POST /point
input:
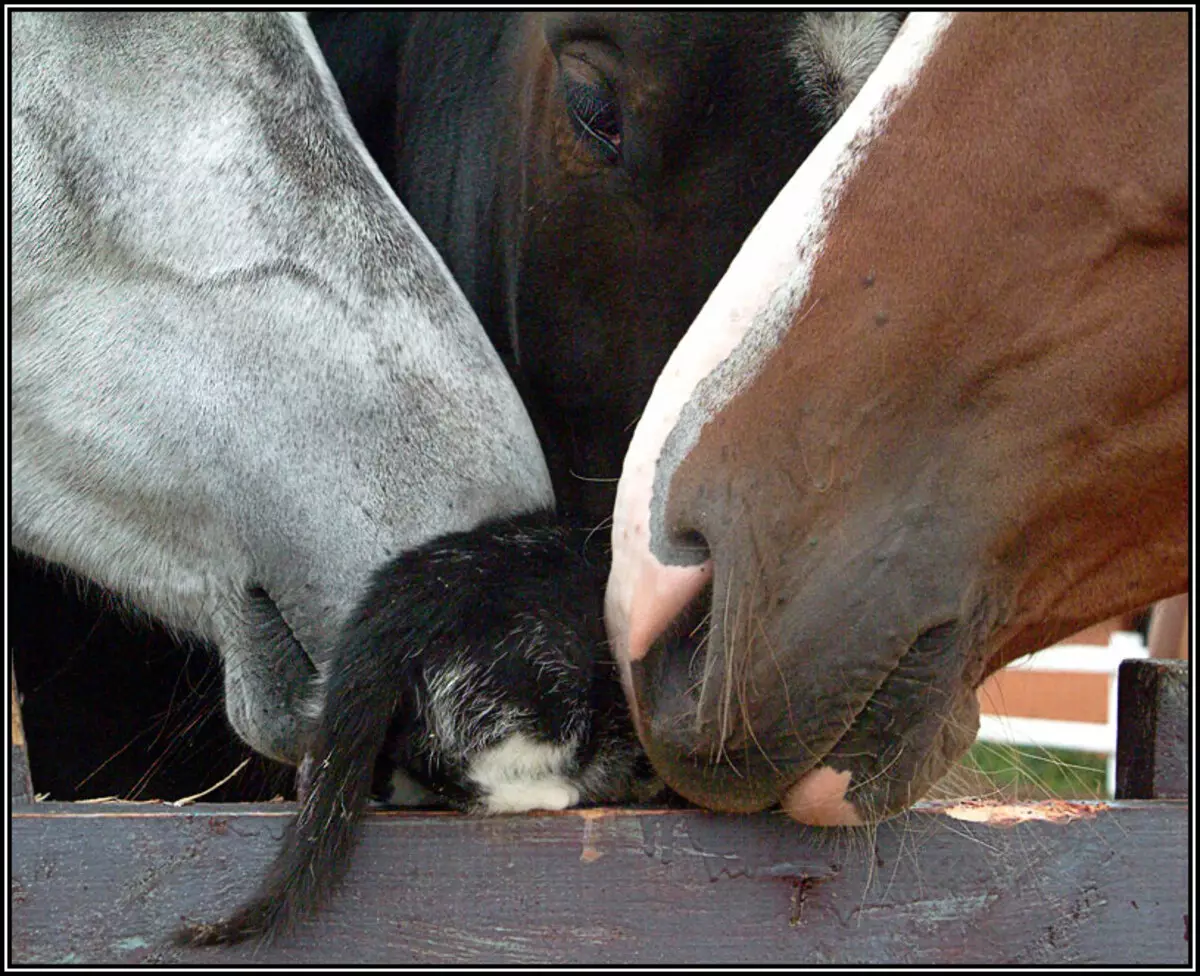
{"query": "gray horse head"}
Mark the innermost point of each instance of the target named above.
(241, 376)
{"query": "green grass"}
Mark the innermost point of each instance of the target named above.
(1037, 774)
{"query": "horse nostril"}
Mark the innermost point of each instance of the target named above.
(691, 545)
(932, 642)
(265, 618)
(264, 615)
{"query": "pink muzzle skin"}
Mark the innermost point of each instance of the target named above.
(643, 595)
(659, 596)
(819, 799)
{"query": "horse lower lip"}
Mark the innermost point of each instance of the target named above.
(833, 810)
(719, 785)
(930, 639)
(726, 792)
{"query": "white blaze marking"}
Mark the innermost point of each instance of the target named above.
(746, 313)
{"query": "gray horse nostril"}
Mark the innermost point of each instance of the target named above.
(286, 673)
(266, 620)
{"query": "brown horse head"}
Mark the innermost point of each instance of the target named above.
(934, 417)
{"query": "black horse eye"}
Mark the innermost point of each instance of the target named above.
(596, 115)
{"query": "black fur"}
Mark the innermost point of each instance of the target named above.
(584, 272)
(510, 599)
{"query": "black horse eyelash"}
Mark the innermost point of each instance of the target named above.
(596, 114)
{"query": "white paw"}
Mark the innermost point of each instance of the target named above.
(523, 774)
(547, 794)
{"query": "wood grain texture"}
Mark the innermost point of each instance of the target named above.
(1153, 730)
(107, 884)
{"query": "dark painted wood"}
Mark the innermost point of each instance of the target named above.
(22, 785)
(1096, 885)
(1153, 723)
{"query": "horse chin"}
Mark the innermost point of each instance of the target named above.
(896, 742)
(849, 791)
(841, 790)
(272, 694)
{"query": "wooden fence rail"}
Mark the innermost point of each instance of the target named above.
(1089, 883)
(970, 883)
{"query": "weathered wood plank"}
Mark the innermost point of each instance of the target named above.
(1153, 724)
(1096, 884)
